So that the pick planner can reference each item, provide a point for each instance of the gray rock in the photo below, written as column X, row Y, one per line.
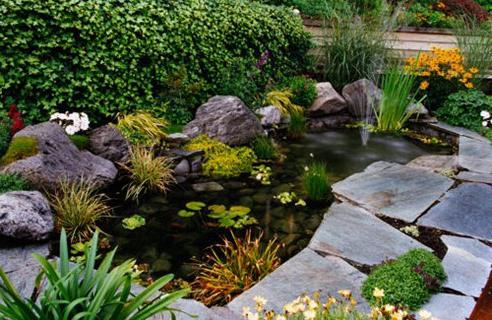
column 393, row 190
column 59, row 158
column 305, row 273
column 435, row 163
column 417, row 109
column 328, row 101
column 329, row 122
column 227, row 119
column 177, row 138
column 182, row 168
column 444, row 306
column 363, row 97
column 25, row 215
column 466, row 210
column 475, row 155
column 470, row 176
column 270, row 116
column 193, row 310
column 108, row 143
column 374, row 242
column 207, row 187
column 467, row 264
column 457, row 131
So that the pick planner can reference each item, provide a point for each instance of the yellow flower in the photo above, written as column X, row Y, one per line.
column 425, row 315
column 424, row 85
column 469, row 85
column 378, row 293
column 441, row 5
column 474, row 70
column 345, row 293
column 280, row 317
column 309, row 315
column 260, row 302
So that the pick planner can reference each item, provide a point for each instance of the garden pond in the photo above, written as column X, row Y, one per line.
column 168, row 242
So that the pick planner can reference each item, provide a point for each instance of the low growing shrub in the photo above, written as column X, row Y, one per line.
column 409, row 280
column 463, row 109
column 264, row 148
column 233, row 267
column 303, row 90
column 12, row 182
column 79, row 291
column 20, row 148
column 316, row 182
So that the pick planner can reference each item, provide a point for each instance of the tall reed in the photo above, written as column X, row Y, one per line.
column 315, row 181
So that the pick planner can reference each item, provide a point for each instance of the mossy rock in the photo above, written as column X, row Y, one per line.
column 20, row 148
column 80, row 141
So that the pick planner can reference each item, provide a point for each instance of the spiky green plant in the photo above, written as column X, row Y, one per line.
column 141, row 127
column 264, row 148
column 316, row 182
column 79, row 292
column 281, row 99
column 297, row 125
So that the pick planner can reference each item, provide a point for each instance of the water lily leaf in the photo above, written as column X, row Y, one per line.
column 240, row 210
column 217, row 208
column 214, row 215
column 195, row 205
column 185, row 213
column 226, row 222
column 133, row 222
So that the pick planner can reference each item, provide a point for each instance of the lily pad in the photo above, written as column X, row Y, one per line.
column 133, row 222
column 195, row 205
column 240, row 210
column 186, row 213
column 217, row 208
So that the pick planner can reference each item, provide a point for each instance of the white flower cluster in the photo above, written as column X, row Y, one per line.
column 71, row 122
column 487, row 120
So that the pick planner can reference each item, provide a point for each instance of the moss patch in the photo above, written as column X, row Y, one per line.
column 80, row 141
column 20, row 148
column 12, row 182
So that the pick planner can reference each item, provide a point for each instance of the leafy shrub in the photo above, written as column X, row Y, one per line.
column 222, row 160
column 78, row 207
column 297, row 125
column 315, row 181
column 264, row 148
column 409, row 280
column 80, row 292
column 323, row 8
column 486, row 4
column 20, row 148
column 12, row 182
column 303, row 90
column 80, row 141
column 5, row 124
column 147, row 173
column 463, row 109
column 466, row 7
column 120, row 56
column 427, row 15
column 142, row 127
column 233, row 267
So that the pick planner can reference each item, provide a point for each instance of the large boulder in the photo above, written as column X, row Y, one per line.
column 25, row 215
column 227, row 119
column 363, row 97
column 270, row 116
column 328, row 101
column 59, row 158
column 109, row 143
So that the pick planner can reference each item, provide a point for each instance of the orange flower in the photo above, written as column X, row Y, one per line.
column 474, row 70
column 424, row 85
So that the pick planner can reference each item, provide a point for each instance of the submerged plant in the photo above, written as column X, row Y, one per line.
column 316, row 182
column 234, row 216
column 141, row 127
column 234, row 266
column 78, row 207
column 134, row 222
column 286, row 198
column 79, row 291
column 262, row 173
column 264, row 148
column 147, row 173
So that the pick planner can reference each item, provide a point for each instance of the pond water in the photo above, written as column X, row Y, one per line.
column 167, row 243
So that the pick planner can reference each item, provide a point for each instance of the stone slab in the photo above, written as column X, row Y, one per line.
column 474, row 247
column 373, row 242
column 475, row 155
column 393, row 190
column 305, row 273
column 435, row 163
column 445, row 306
column 470, row 176
column 465, row 210
column 457, row 131
column 192, row 309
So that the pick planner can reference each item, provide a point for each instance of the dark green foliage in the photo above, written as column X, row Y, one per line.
column 316, row 182
column 323, row 8
column 120, row 57
column 19, row 148
column 303, row 90
column 463, row 109
column 80, row 141
column 409, row 280
column 12, row 182
column 297, row 125
column 264, row 148
column 5, row 124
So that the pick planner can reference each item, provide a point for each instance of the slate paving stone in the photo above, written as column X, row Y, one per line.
column 475, row 155
column 474, row 247
column 307, row 272
column 194, row 310
column 355, row 234
column 435, row 163
column 470, row 176
column 465, row 210
column 393, row 190
column 458, row 131
column 445, row 306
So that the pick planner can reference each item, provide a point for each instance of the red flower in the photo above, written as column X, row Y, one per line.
column 16, row 117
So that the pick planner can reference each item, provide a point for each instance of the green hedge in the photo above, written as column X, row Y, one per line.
column 106, row 56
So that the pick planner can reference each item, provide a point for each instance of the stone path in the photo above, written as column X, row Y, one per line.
column 475, row 155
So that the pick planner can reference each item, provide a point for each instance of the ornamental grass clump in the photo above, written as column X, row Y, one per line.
column 233, row 267
column 141, row 127
column 297, row 126
column 264, row 148
column 316, row 182
column 79, row 291
column 410, row 280
column 147, row 173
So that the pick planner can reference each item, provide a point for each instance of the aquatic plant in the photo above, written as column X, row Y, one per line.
column 147, row 173
column 134, row 222
column 232, row 267
column 12, row 182
column 141, row 127
column 297, row 126
column 78, row 207
column 286, row 198
column 315, row 181
column 233, row 217
column 79, row 291
column 280, row 99
column 409, row 280
column 262, row 173
column 20, row 148
column 264, row 148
